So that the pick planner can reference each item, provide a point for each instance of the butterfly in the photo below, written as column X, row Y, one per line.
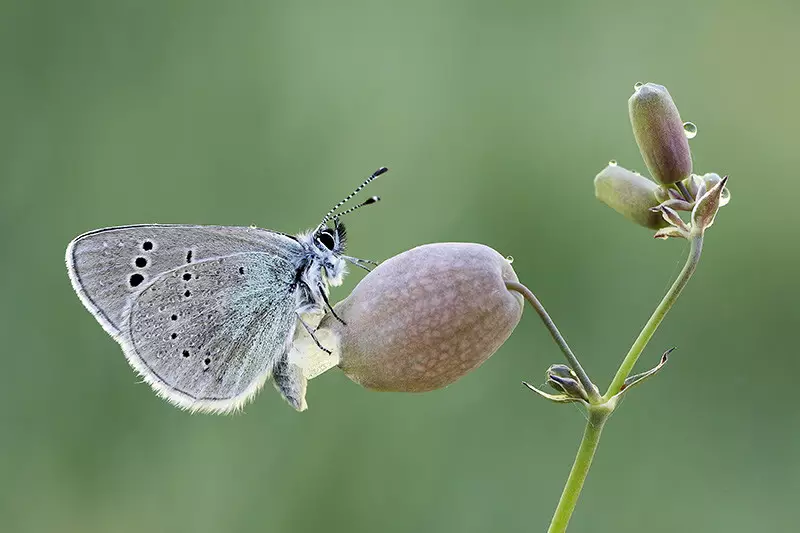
column 207, row 314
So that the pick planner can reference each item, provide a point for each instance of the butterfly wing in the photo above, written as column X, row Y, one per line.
column 207, row 336
column 202, row 312
column 110, row 267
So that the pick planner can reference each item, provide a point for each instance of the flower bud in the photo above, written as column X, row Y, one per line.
column 424, row 318
column 560, row 370
column 659, row 133
column 629, row 194
column 564, row 380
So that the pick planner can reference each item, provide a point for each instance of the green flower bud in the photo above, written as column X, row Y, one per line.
column 629, row 194
column 426, row 317
column 659, row 132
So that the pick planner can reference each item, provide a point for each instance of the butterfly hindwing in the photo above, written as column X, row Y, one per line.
column 207, row 335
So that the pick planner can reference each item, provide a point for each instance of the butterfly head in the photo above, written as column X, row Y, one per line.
column 327, row 244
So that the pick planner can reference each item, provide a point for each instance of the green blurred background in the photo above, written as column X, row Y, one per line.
column 494, row 117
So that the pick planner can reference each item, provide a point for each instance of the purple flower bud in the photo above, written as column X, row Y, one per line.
column 629, row 194
column 563, row 379
column 659, row 132
column 426, row 317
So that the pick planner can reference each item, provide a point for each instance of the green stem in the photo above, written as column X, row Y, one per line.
column 599, row 413
column 580, row 469
column 695, row 249
column 562, row 343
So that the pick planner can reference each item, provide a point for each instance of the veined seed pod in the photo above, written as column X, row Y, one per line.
column 629, row 194
column 660, row 134
column 426, row 317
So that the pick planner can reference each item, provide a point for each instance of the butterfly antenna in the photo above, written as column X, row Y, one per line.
column 367, row 181
column 369, row 201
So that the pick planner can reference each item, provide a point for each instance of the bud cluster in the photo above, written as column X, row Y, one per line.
column 663, row 140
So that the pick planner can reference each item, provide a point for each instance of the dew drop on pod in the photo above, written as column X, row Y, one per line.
column 422, row 319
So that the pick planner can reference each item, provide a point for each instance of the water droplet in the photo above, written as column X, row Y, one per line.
column 637, row 85
column 510, row 259
column 690, row 130
column 612, row 163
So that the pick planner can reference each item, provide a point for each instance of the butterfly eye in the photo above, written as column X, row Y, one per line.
column 326, row 239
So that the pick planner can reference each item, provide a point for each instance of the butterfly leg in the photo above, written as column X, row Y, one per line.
column 330, row 307
column 314, row 337
column 321, row 292
column 291, row 383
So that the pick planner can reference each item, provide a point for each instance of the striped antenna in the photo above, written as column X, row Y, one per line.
column 368, row 201
column 330, row 213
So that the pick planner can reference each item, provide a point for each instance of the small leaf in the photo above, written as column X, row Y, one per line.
column 705, row 210
column 557, row 398
column 701, row 190
column 671, row 231
column 639, row 378
column 675, row 195
column 671, row 216
column 680, row 205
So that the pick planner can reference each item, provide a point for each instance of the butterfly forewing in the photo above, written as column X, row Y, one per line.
column 109, row 267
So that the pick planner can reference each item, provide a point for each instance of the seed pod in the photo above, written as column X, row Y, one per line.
column 426, row 317
column 659, row 133
column 629, row 194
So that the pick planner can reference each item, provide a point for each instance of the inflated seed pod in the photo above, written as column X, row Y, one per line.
column 629, row 194
column 659, row 132
column 424, row 318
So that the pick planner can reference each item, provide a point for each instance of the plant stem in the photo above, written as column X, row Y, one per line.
column 562, row 343
column 580, row 469
column 695, row 249
column 599, row 412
